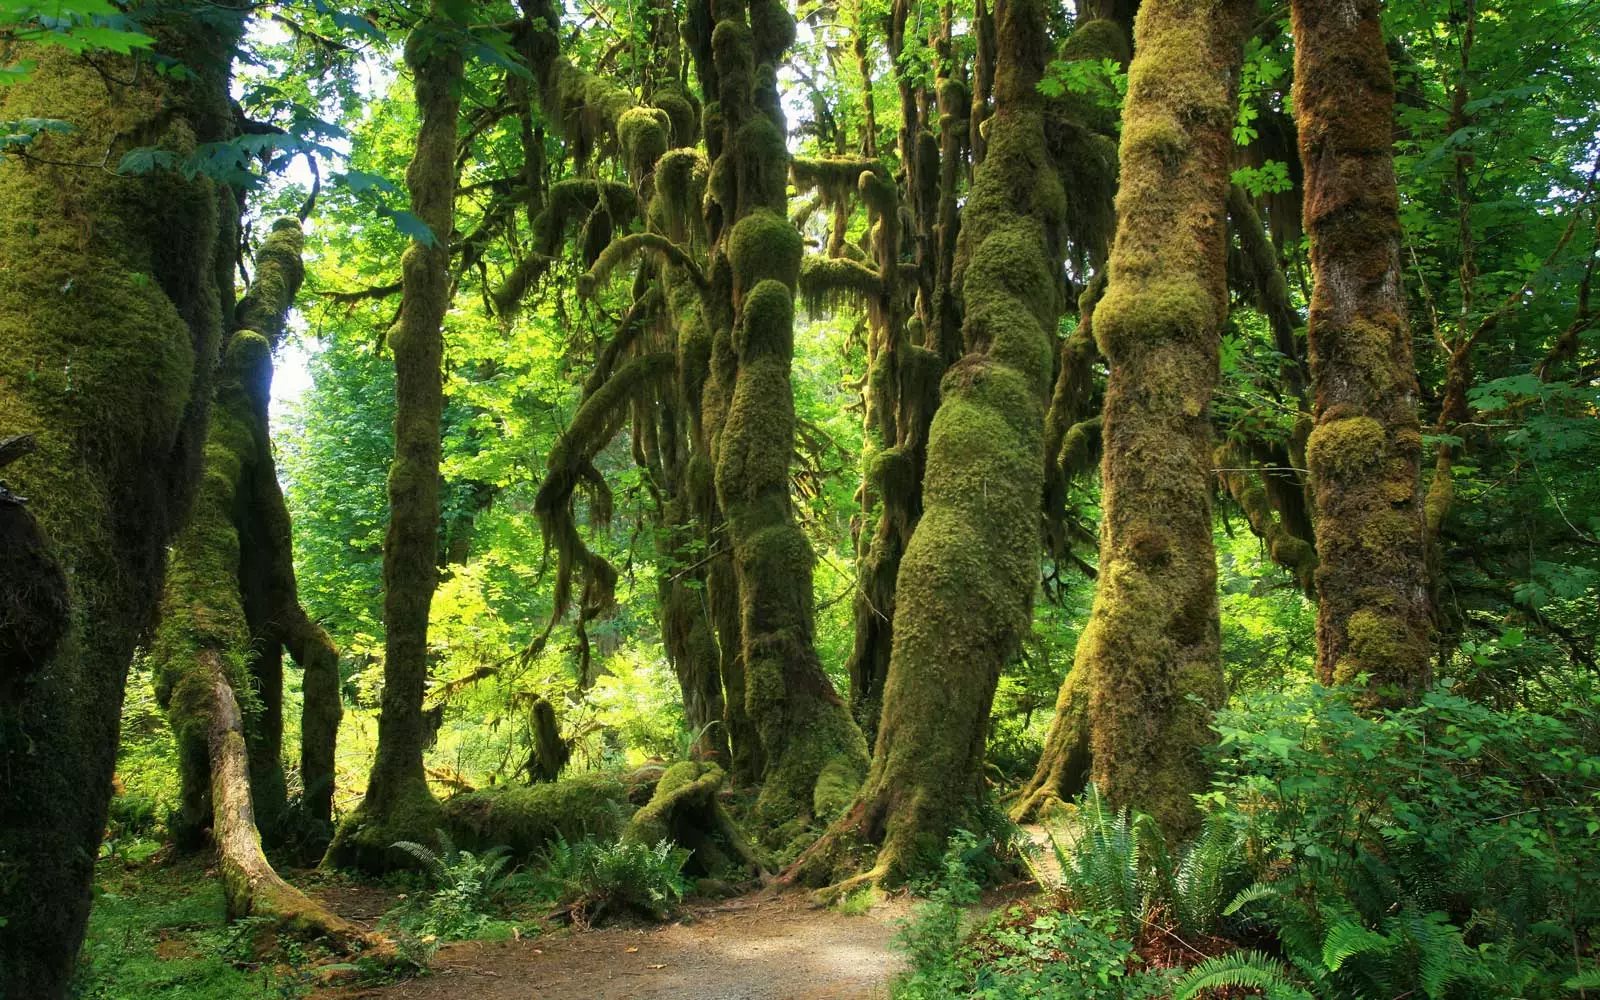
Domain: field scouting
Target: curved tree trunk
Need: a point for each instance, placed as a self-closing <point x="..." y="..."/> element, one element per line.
<point x="1364" y="452"/>
<point x="398" y="803"/>
<point x="1152" y="639"/>
<point x="815" y="755"/>
<point x="101" y="277"/>
<point x="967" y="578"/>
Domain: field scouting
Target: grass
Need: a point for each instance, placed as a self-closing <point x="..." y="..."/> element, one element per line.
<point x="157" y="932"/>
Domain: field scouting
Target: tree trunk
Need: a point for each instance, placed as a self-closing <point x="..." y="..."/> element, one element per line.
<point x="815" y="755"/>
<point x="1365" y="450"/>
<point x="1152" y="643"/>
<point x="101" y="277"/>
<point x="398" y="803"/>
<point x="967" y="578"/>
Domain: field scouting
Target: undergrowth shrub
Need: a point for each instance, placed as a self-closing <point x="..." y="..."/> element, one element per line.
<point x="463" y="886"/>
<point x="1449" y="850"/>
<point x="595" y="880"/>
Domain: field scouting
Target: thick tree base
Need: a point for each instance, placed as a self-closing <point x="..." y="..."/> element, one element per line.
<point x="685" y="809"/>
<point x="365" y="840"/>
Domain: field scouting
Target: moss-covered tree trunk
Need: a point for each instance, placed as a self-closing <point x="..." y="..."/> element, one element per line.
<point x="1364" y="453"/>
<point x="814" y="753"/>
<point x="1149" y="656"/>
<point x="967" y="579"/>
<point x="398" y="804"/>
<point x="201" y="650"/>
<point x="109" y="323"/>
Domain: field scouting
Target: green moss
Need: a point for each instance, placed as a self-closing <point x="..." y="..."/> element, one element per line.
<point x="831" y="284"/>
<point x="682" y="111"/>
<point x="643" y="134"/>
<point x="1344" y="448"/>
<point x="528" y="818"/>
<point x="762" y="246"/>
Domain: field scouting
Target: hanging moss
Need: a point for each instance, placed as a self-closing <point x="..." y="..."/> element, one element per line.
<point x="279" y="272"/>
<point x="836" y="178"/>
<point x="568" y="203"/>
<point x="1249" y="491"/>
<point x="832" y="284"/>
<point x="644" y="135"/>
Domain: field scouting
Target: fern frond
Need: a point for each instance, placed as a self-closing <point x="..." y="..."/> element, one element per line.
<point x="431" y="862"/>
<point x="1239" y="969"/>
<point x="1588" y="979"/>
<point x="1259" y="892"/>
<point x="1346" y="939"/>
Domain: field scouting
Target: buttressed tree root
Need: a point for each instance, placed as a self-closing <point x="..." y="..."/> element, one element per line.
<point x="99" y="277"/>
<point x="398" y="804"/>
<point x="1152" y="642"/>
<point x="967" y="578"/>
<point x="1365" y="451"/>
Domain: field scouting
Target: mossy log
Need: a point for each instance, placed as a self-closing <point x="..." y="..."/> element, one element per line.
<point x="1150" y="653"/>
<point x="1365" y="450"/>
<point x="101" y="276"/>
<point x="398" y="804"/>
<point x="967" y="579"/>
<point x="528" y="818"/>
<point x="685" y="809"/>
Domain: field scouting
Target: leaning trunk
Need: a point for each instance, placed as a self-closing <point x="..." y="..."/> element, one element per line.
<point x="1149" y="656"/>
<point x="1365" y="449"/>
<point x="967" y="578"/>
<point x="398" y="803"/>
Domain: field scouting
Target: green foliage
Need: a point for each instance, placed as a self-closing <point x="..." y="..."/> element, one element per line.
<point x="161" y="932"/>
<point x="77" y="26"/>
<point x="596" y="879"/>
<point x="463" y="885"/>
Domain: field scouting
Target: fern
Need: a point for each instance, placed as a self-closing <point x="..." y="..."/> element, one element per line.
<point x="1346" y="939"/>
<point x="1588" y="979"/>
<point x="1240" y="969"/>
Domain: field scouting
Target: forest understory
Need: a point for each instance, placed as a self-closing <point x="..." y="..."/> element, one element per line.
<point x="799" y="499"/>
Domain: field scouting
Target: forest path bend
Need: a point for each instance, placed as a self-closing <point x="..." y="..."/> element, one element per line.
<point x="764" y="946"/>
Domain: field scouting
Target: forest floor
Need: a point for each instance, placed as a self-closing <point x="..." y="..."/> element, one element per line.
<point x="762" y="946"/>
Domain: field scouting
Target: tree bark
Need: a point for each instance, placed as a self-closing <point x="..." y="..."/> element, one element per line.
<point x="101" y="277"/>
<point x="815" y="755"/>
<point x="967" y="578"/>
<point x="1152" y="640"/>
<point x="398" y="804"/>
<point x="1364" y="453"/>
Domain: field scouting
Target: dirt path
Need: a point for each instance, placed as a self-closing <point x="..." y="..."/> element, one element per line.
<point x="758" y="947"/>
